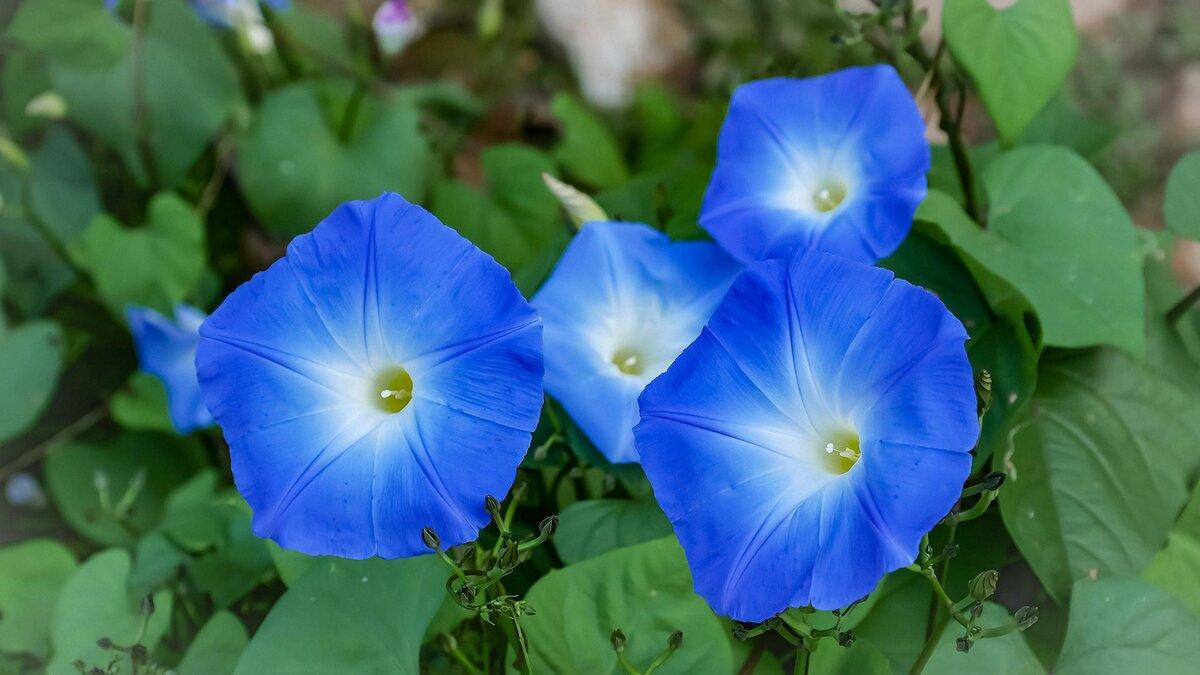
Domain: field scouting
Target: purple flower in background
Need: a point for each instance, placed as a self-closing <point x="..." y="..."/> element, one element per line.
<point x="395" y="27"/>
<point x="167" y="350"/>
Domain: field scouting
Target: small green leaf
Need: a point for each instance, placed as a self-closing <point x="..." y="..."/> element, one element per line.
<point x="1018" y="56"/>
<point x="1099" y="472"/>
<point x="217" y="647"/>
<point x="517" y="220"/>
<point x="142" y="404"/>
<point x="644" y="590"/>
<point x="156" y="265"/>
<point x="62" y="189"/>
<point x="1183" y="197"/>
<point x="1121" y="625"/>
<point x="189" y="89"/>
<point x="192" y="519"/>
<point x="95" y="603"/>
<point x="370" y="613"/>
<point x="291" y="185"/>
<point x="587" y="149"/>
<point x="32" y="358"/>
<point x="36" y="272"/>
<point x="156" y="562"/>
<point x="1059" y="236"/>
<point x="31" y="575"/>
<point x="240" y="562"/>
<point x="72" y="472"/>
<point x="75" y="32"/>
<point x="1176" y="568"/>
<point x="594" y="526"/>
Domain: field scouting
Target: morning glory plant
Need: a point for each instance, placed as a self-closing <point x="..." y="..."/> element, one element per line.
<point x="835" y="162"/>
<point x="622" y="303"/>
<point x="382" y="378"/>
<point x="817" y="429"/>
<point x="166" y="348"/>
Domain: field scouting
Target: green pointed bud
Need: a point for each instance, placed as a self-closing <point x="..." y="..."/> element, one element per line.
<point x="983" y="393"/>
<point x="430" y="538"/>
<point x="617" y="640"/>
<point x="1026" y="617"/>
<point x="675" y="641"/>
<point x="983" y="586"/>
<point x="147" y="604"/>
<point x="466" y="594"/>
<point x="492" y="506"/>
<point x="80" y="666"/>
<point x="449" y="643"/>
<point x="739" y="630"/>
<point x="549" y="526"/>
<point x="510" y="555"/>
<point x="104" y="643"/>
<point x="963" y="644"/>
<point x="845" y="638"/>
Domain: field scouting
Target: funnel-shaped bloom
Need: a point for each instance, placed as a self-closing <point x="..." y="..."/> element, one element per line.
<point x="395" y="26"/>
<point x="836" y="163"/>
<point x="620" y="306"/>
<point x="819" y="426"/>
<point x="167" y="350"/>
<point x="383" y="377"/>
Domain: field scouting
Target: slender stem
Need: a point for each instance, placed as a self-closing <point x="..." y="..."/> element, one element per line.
<point x="931" y="644"/>
<point x="217" y="179"/>
<point x="1180" y="308"/>
<point x="453" y="650"/>
<point x="802" y="659"/>
<point x="350" y="112"/>
<point x="87" y="421"/>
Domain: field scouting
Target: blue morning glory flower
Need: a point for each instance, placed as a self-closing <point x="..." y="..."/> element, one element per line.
<point x="819" y="426"/>
<point x="621" y="305"/>
<point x="836" y="162"/>
<point x="382" y="377"/>
<point x="167" y="350"/>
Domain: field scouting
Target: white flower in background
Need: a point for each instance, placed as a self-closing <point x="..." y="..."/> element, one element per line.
<point x="243" y="16"/>
<point x="395" y="27"/>
<point x="614" y="43"/>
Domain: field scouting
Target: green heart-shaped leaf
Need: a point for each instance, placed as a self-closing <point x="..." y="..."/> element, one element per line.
<point x="1018" y="56"/>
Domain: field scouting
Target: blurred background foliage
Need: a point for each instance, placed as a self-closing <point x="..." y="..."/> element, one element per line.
<point x="154" y="159"/>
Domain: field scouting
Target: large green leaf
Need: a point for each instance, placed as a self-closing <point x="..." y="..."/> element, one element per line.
<point x="189" y="89"/>
<point x="1059" y="236"/>
<point x="62" y="189"/>
<point x="860" y="658"/>
<point x="155" y="265"/>
<point x="1182" y="208"/>
<point x="1121" y="625"/>
<point x="32" y="357"/>
<point x="95" y="603"/>
<point x="217" y="647"/>
<point x="73" y="470"/>
<point x="1018" y="56"/>
<point x="517" y="221"/>
<point x="594" y="526"/>
<point x="295" y="169"/>
<point x="77" y="32"/>
<point x="644" y="590"/>
<point x="587" y="150"/>
<point x="365" y="615"/>
<point x="31" y="575"/>
<point x="1100" y="470"/>
<point x="35" y="271"/>
<point x="1176" y="568"/>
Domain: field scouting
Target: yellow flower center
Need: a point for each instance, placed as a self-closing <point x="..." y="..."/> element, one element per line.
<point x="841" y="453"/>
<point x="829" y="195"/>
<point x="629" y="361"/>
<point x="392" y="390"/>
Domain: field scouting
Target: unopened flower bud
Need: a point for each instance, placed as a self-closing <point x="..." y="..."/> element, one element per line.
<point x="395" y="26"/>
<point x="138" y="654"/>
<point x="509" y="556"/>
<point x="963" y="644"/>
<point x="430" y="538"/>
<point x="104" y="643"/>
<point x="549" y="526"/>
<point x="492" y="506"/>
<point x="617" y="639"/>
<point x="675" y="641"/>
<point x="147" y="604"/>
<point x="1026" y="617"/>
<point x="845" y="638"/>
<point x="983" y="586"/>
